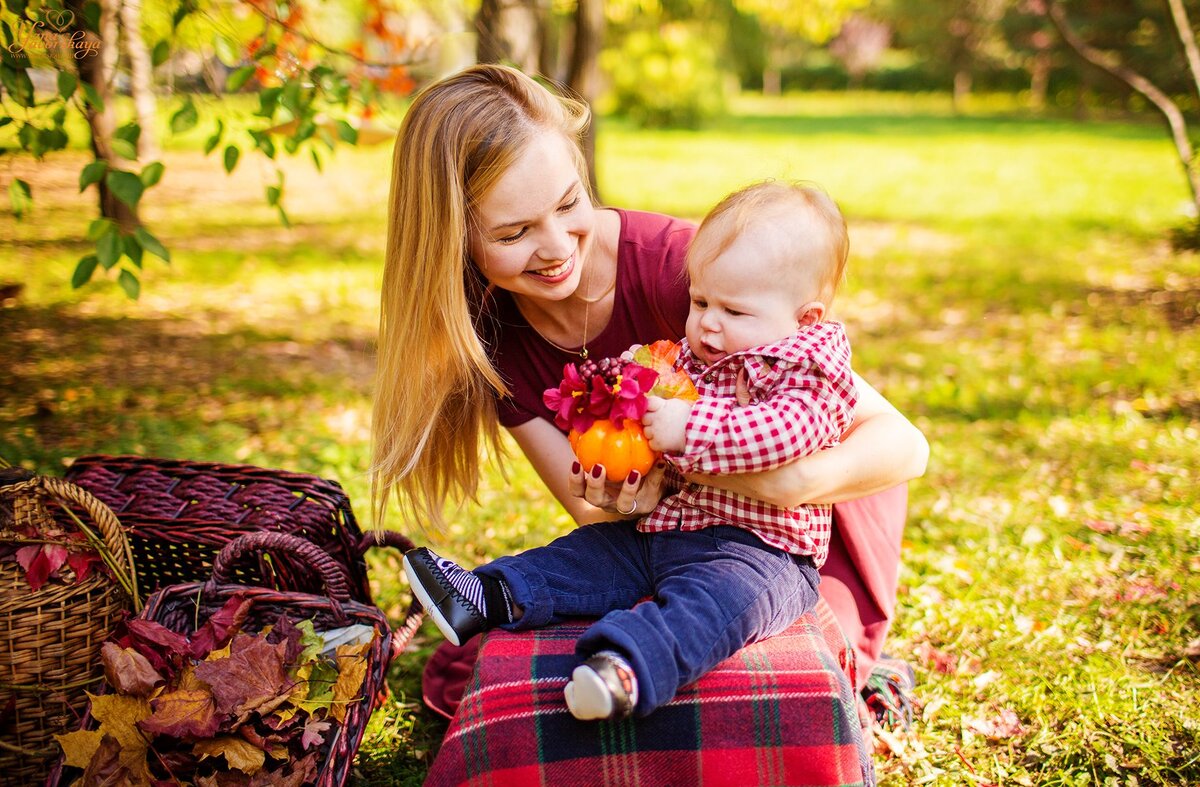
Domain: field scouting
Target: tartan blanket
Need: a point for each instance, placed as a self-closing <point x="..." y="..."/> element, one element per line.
<point x="778" y="712"/>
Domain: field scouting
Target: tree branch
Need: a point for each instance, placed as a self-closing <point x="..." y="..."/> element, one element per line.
<point x="1112" y="65"/>
<point x="1184" y="27"/>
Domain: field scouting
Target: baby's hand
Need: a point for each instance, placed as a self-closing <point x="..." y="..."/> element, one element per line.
<point x="665" y="423"/>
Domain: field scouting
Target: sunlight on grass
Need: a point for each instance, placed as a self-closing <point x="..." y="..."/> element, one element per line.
<point x="1009" y="289"/>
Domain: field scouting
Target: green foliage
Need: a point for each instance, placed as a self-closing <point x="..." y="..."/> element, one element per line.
<point x="667" y="77"/>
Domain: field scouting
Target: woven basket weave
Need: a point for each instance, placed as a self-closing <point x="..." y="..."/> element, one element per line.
<point x="180" y="513"/>
<point x="184" y="608"/>
<point x="51" y="636"/>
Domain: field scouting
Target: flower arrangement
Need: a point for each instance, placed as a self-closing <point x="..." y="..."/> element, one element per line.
<point x="600" y="404"/>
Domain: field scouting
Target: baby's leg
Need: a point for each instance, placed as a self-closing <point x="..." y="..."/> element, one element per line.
<point x="716" y="590"/>
<point x="586" y="573"/>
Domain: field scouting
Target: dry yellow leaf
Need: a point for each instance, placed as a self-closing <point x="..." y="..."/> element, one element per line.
<point x="352" y="670"/>
<point x="239" y="753"/>
<point x="78" y="747"/>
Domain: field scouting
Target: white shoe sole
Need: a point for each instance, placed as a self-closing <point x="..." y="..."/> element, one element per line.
<point x="587" y="695"/>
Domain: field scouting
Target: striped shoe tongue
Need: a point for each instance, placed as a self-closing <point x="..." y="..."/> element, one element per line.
<point x="466" y="583"/>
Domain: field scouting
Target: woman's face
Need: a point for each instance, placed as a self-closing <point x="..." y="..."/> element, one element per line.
<point x="533" y="229"/>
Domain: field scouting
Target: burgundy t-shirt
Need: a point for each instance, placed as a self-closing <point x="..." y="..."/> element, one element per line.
<point x="651" y="304"/>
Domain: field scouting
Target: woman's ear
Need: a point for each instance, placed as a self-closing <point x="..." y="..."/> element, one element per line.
<point x="810" y="313"/>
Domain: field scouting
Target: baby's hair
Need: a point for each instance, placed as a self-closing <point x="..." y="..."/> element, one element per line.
<point x="792" y="202"/>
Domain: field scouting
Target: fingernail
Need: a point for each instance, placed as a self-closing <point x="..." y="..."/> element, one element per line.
<point x="597" y="470"/>
<point x="633" y="477"/>
<point x="576" y="468"/>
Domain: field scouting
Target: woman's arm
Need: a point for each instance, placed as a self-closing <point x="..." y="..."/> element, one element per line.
<point x="587" y="498"/>
<point x="881" y="450"/>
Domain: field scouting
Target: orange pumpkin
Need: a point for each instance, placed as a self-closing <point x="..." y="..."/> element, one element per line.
<point x="619" y="450"/>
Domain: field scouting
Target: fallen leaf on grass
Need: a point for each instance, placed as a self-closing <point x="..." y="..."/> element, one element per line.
<point x="934" y="659"/>
<point x="1003" y="725"/>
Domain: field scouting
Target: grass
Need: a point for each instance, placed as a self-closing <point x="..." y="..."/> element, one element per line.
<point x="1010" y="290"/>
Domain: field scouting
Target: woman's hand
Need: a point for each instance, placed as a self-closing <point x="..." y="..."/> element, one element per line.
<point x="635" y="497"/>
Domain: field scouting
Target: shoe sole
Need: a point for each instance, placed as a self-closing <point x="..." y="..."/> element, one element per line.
<point x="587" y="690"/>
<point x="430" y="607"/>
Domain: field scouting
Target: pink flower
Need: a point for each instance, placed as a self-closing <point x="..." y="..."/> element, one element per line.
<point x="565" y="399"/>
<point x="629" y="394"/>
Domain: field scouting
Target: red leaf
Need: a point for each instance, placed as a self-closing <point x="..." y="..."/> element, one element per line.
<point x="252" y="678"/>
<point x="160" y="645"/>
<point x="40" y="562"/>
<point x="218" y="629"/>
<point x="183" y="713"/>
<point x="81" y="563"/>
<point x="1005" y="724"/>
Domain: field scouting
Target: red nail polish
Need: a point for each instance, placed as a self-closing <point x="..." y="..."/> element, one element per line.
<point x="633" y="477"/>
<point x="576" y="468"/>
<point x="597" y="469"/>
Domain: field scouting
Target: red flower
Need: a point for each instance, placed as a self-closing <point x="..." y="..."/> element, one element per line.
<point x="629" y="394"/>
<point x="579" y="402"/>
<point x="565" y="400"/>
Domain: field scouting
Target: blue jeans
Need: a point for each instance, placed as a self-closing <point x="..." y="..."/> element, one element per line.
<point x="713" y="591"/>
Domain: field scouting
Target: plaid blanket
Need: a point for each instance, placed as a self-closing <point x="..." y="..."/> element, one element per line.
<point x="778" y="712"/>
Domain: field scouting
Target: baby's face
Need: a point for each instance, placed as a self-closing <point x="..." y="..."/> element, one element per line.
<point x="739" y="300"/>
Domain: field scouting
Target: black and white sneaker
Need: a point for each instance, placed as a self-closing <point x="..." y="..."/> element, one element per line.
<point x="452" y="596"/>
<point x="602" y="688"/>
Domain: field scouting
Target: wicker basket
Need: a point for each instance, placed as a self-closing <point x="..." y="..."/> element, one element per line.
<point x="179" y="514"/>
<point x="184" y="608"/>
<point x="51" y="636"/>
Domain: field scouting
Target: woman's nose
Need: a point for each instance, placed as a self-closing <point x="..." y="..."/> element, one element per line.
<point x="556" y="242"/>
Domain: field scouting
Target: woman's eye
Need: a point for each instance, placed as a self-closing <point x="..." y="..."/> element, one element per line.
<point x="514" y="238"/>
<point x="569" y="206"/>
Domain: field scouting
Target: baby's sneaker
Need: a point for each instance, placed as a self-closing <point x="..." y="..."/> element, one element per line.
<point x="603" y="687"/>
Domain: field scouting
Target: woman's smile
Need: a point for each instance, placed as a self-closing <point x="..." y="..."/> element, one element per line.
<point x="557" y="273"/>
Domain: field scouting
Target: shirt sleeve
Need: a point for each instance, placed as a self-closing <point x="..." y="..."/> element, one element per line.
<point x="803" y="414"/>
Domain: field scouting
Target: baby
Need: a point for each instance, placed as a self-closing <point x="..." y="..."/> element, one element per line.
<point x="721" y="570"/>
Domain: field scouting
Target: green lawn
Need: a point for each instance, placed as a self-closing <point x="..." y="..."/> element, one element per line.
<point x="1009" y="289"/>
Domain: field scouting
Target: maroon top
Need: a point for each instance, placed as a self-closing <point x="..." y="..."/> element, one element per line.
<point x="651" y="304"/>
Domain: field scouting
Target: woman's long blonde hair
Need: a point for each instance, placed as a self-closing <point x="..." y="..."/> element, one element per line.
<point x="434" y="411"/>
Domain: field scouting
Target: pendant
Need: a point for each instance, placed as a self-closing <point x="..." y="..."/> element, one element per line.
<point x="583" y="353"/>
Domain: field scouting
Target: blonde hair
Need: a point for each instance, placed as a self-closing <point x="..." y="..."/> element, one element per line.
<point x="799" y="205"/>
<point x="435" y="384"/>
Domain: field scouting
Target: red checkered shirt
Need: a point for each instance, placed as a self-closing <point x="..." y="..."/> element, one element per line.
<point x="802" y="399"/>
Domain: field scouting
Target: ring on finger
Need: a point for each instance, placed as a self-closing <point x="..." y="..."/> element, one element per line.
<point x="632" y="509"/>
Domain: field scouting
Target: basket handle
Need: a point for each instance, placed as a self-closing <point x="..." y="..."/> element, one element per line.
<point x="308" y="553"/>
<point x="404" y="633"/>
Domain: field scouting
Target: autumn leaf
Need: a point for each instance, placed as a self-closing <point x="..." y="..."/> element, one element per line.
<point x="1003" y="725"/>
<point x="672" y="383"/>
<point x="184" y="713"/>
<point x="119" y="716"/>
<point x="320" y="687"/>
<point x="238" y="753"/>
<point x="220" y="627"/>
<point x="161" y="646"/>
<point x="40" y="562"/>
<point x="252" y="679"/>
<point x="128" y="671"/>
<point x="107" y="767"/>
<point x="79" y="747"/>
<point x="352" y="669"/>
<point x="312" y="733"/>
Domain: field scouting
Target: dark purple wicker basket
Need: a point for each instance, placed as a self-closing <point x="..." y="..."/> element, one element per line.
<point x="184" y="608"/>
<point x="178" y="514"/>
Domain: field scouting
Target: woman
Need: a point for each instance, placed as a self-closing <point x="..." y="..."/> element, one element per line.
<point x="500" y="270"/>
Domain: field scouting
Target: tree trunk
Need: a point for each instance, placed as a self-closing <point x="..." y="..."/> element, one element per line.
<point x="1039" y="80"/>
<point x="141" y="75"/>
<point x="1169" y="109"/>
<point x="772" y="82"/>
<point x="583" y="75"/>
<point x="489" y="48"/>
<point x="99" y="72"/>
<point x="962" y="89"/>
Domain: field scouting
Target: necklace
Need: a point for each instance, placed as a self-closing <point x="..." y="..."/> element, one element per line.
<point x="582" y="352"/>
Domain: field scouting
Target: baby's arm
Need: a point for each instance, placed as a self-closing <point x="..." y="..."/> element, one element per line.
<point x="802" y="414"/>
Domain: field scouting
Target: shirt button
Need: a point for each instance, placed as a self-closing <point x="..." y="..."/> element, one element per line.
<point x="708" y="378"/>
